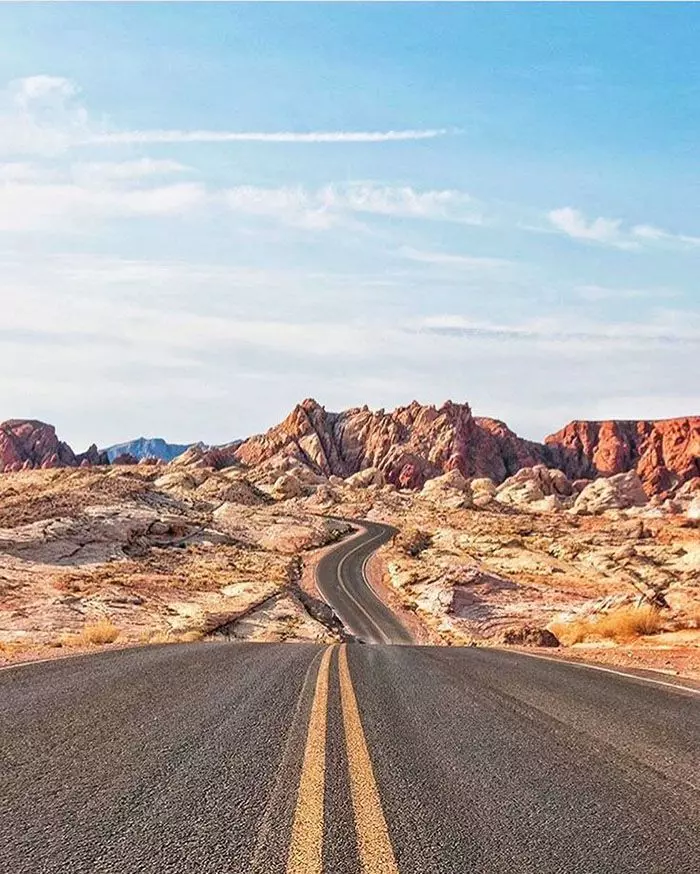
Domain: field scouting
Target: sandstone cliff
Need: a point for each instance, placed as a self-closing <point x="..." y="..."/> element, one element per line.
<point x="664" y="453"/>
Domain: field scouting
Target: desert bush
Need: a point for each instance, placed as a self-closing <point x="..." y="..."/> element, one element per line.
<point x="100" y="632"/>
<point x="627" y="623"/>
<point x="413" y="541"/>
<point x="191" y="636"/>
<point x="571" y="632"/>
<point x="620" y="625"/>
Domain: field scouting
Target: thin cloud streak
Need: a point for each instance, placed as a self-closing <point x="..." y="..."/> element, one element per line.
<point x="208" y="136"/>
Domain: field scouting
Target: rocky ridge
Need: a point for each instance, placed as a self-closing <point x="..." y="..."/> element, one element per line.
<point x="665" y="453"/>
<point x="407" y="447"/>
<point x="415" y="443"/>
<point x="26" y="444"/>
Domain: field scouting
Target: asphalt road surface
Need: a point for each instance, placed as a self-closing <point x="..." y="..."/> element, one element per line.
<point x="354" y="759"/>
<point x="341" y="581"/>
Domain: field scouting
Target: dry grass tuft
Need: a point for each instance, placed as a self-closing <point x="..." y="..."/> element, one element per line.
<point x="623" y="624"/>
<point x="8" y="648"/>
<point x="191" y="636"/>
<point x="100" y="632"/>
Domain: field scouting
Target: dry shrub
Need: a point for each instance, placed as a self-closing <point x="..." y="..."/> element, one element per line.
<point x="629" y="622"/>
<point x="191" y="636"/>
<point x="9" y="648"/>
<point x="413" y="541"/>
<point x="100" y="632"/>
<point x="571" y="632"/>
<point x="620" y="625"/>
<point x="160" y="637"/>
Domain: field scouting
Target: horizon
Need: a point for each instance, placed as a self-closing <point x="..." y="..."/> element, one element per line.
<point x="209" y="212"/>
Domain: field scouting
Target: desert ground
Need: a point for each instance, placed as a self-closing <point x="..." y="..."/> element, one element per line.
<point x="112" y="556"/>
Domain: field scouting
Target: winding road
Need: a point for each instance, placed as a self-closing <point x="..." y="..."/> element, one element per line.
<point x="346" y="759"/>
<point x="341" y="580"/>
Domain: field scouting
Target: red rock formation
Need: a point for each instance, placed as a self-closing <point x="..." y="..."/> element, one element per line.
<point x="409" y="445"/>
<point x="665" y="453"/>
<point x="27" y="444"/>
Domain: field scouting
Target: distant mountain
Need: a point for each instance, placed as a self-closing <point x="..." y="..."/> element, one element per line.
<point x="147" y="447"/>
<point x="415" y="443"/>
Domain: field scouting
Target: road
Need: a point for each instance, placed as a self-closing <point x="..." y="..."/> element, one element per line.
<point x="349" y="759"/>
<point x="340" y="579"/>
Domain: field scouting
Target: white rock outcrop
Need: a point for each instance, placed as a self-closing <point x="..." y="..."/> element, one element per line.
<point x="619" y="492"/>
<point x="449" y="490"/>
<point x="538" y="488"/>
<point x="287" y="486"/>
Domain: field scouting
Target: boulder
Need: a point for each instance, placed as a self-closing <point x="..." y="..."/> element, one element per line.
<point x="520" y="493"/>
<point x="529" y="635"/>
<point x="532" y="484"/>
<point x="482" y="486"/>
<point x="370" y="476"/>
<point x="287" y="486"/>
<point x="483" y="491"/>
<point x="619" y="492"/>
<point x="449" y="490"/>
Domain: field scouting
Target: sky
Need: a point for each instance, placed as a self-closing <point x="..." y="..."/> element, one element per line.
<point x="211" y="212"/>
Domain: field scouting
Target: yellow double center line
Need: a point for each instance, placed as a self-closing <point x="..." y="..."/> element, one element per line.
<point x="373" y="843"/>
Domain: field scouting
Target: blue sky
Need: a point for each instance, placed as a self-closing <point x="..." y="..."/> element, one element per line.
<point x="209" y="212"/>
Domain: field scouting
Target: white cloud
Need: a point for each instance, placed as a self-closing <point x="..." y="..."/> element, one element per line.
<point x="403" y="201"/>
<point x="40" y="115"/>
<point x="598" y="293"/>
<point x="331" y="204"/>
<point x="610" y="232"/>
<point x="23" y="171"/>
<point x="600" y="230"/>
<point x="54" y="89"/>
<point x="125" y="171"/>
<point x="649" y="233"/>
<point x="208" y="136"/>
<point x="666" y="329"/>
<point x="466" y="262"/>
<point x="71" y="207"/>
<point x="153" y="351"/>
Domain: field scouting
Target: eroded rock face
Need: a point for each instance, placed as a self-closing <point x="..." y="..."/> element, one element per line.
<point x="619" y="492"/>
<point x="408" y="446"/>
<point x="27" y="444"/>
<point x="664" y="453"/>
<point x="537" y="487"/>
